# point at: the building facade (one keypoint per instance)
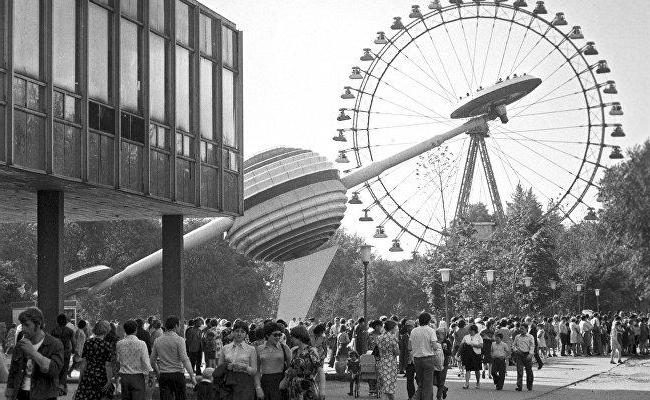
(133, 108)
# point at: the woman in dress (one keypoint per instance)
(300, 379)
(472, 358)
(551, 336)
(487, 335)
(240, 359)
(97, 368)
(616, 336)
(574, 336)
(387, 365)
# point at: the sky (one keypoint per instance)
(298, 54)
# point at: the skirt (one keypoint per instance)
(472, 361)
(271, 386)
(241, 385)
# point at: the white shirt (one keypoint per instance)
(423, 341)
(29, 368)
(474, 340)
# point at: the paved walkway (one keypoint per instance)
(591, 378)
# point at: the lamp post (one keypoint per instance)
(597, 291)
(579, 289)
(553, 284)
(444, 274)
(527, 282)
(489, 275)
(365, 259)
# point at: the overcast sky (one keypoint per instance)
(298, 54)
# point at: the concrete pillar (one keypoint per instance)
(172, 275)
(50, 255)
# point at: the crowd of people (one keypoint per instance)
(276, 360)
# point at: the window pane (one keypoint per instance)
(59, 105)
(64, 43)
(205, 34)
(228, 51)
(206, 109)
(229, 133)
(233, 161)
(130, 79)
(182, 23)
(98, 53)
(26, 37)
(157, 15)
(131, 8)
(182, 88)
(157, 77)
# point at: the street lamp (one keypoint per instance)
(579, 289)
(444, 274)
(365, 259)
(597, 291)
(553, 284)
(489, 274)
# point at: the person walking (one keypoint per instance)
(300, 379)
(565, 343)
(440, 377)
(79, 340)
(169, 360)
(471, 355)
(409, 368)
(273, 357)
(523, 348)
(97, 368)
(575, 338)
(135, 366)
(36, 361)
(423, 343)
(388, 346)
(500, 353)
(585, 333)
(616, 341)
(193, 343)
(65, 335)
(143, 335)
(240, 360)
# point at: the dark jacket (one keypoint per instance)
(44, 384)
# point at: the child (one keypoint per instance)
(500, 353)
(205, 389)
(353, 369)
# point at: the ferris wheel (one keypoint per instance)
(547, 109)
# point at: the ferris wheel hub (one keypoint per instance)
(492, 100)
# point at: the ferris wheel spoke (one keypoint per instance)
(505, 171)
(393, 87)
(546, 100)
(399, 106)
(561, 167)
(521, 45)
(469, 55)
(487, 53)
(530, 51)
(426, 61)
(432, 77)
(469, 86)
(444, 68)
(398, 114)
(552, 112)
(416, 81)
(457, 167)
(505, 48)
(545, 143)
(511, 158)
(548, 93)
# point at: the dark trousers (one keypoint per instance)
(271, 386)
(133, 386)
(439, 379)
(424, 377)
(410, 379)
(195, 359)
(499, 372)
(524, 362)
(538, 359)
(24, 395)
(564, 339)
(172, 386)
(63, 374)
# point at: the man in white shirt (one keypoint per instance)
(423, 343)
(133, 357)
